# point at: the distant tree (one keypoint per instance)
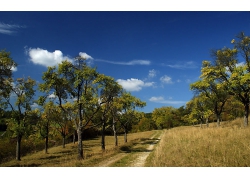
(164, 117)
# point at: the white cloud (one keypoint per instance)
(134, 84)
(134, 62)
(152, 73)
(162, 100)
(14, 69)
(85, 55)
(182, 65)
(52, 96)
(46, 58)
(34, 105)
(9, 28)
(166, 79)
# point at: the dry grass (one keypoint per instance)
(227, 146)
(67, 157)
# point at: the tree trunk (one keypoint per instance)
(207, 123)
(246, 115)
(18, 148)
(201, 123)
(46, 144)
(74, 137)
(218, 120)
(125, 136)
(103, 134)
(80, 149)
(115, 135)
(63, 140)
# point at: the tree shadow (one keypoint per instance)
(49, 157)
(25, 165)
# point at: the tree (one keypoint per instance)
(236, 75)
(6, 69)
(45, 122)
(126, 106)
(21, 92)
(164, 117)
(76, 82)
(200, 109)
(215, 90)
(108, 89)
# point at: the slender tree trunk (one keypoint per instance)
(74, 137)
(218, 120)
(246, 115)
(207, 123)
(80, 148)
(125, 136)
(115, 134)
(201, 123)
(46, 144)
(103, 134)
(63, 140)
(18, 148)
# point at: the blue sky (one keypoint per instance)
(155, 55)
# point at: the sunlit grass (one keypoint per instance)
(227, 146)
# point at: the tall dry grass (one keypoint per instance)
(226, 146)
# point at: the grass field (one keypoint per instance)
(226, 146)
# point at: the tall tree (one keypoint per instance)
(127, 110)
(236, 74)
(108, 90)
(7, 64)
(19, 100)
(209, 85)
(74, 81)
(45, 123)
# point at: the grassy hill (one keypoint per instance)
(226, 146)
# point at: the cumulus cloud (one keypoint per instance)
(129, 63)
(134, 84)
(152, 73)
(166, 79)
(9, 28)
(85, 55)
(46, 58)
(162, 100)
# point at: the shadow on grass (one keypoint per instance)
(64, 152)
(26, 165)
(49, 157)
(129, 148)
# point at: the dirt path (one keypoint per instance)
(111, 160)
(140, 153)
(142, 156)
